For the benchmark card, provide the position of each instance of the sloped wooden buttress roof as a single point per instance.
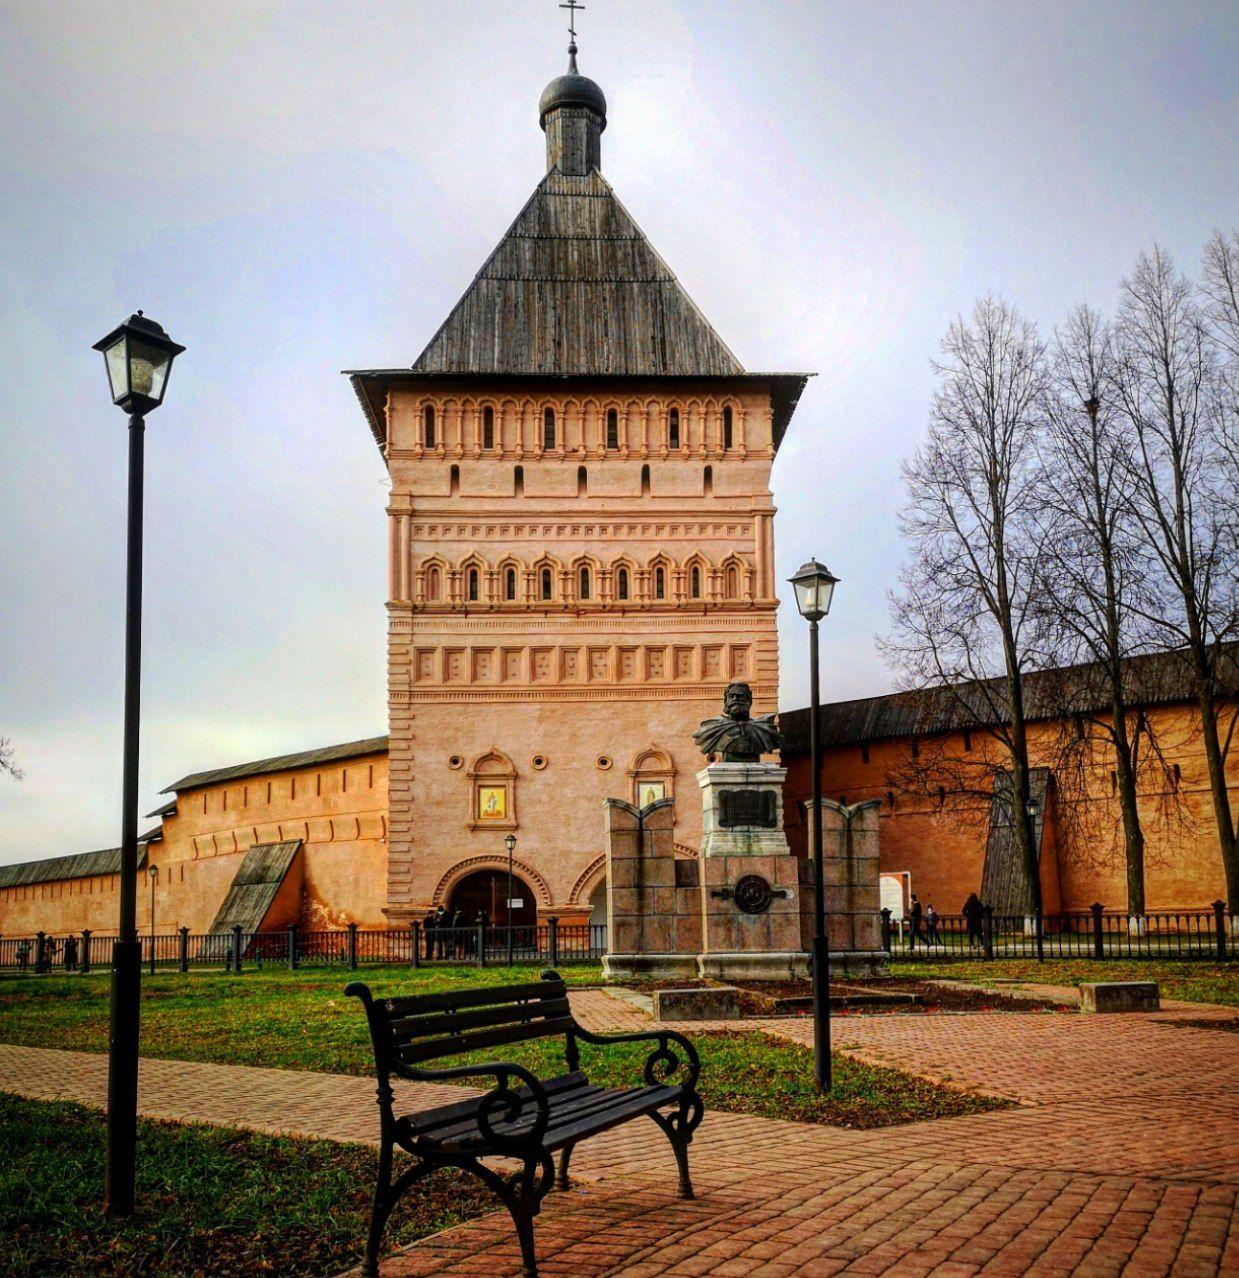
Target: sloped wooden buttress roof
(254, 886)
(575, 289)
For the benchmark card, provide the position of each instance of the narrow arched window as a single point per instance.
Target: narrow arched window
(488, 427)
(453, 480)
(727, 431)
(428, 426)
(621, 584)
(612, 429)
(582, 481)
(732, 587)
(645, 481)
(694, 582)
(546, 583)
(660, 583)
(434, 584)
(673, 428)
(472, 585)
(548, 428)
(518, 480)
(707, 481)
(583, 592)
(509, 585)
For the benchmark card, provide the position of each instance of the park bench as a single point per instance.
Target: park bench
(522, 1118)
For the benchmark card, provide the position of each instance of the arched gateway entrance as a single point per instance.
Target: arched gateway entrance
(487, 890)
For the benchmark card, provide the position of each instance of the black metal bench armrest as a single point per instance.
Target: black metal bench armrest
(662, 1055)
(502, 1103)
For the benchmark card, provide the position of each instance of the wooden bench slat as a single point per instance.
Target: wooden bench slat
(427, 1049)
(441, 1123)
(644, 1101)
(411, 1004)
(405, 1028)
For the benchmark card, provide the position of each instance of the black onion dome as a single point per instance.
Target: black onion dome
(573, 89)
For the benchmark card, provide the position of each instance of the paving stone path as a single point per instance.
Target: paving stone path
(1123, 1160)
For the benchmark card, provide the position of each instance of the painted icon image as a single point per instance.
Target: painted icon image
(492, 803)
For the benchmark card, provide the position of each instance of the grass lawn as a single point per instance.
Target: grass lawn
(301, 1020)
(1191, 981)
(211, 1200)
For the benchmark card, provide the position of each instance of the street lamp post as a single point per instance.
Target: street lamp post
(138, 355)
(153, 874)
(510, 844)
(815, 587)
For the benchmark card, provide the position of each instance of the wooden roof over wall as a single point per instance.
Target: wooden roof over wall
(1158, 678)
(79, 866)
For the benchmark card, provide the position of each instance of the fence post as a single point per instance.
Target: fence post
(1219, 913)
(1099, 937)
(292, 946)
(352, 947)
(886, 928)
(184, 931)
(987, 931)
(40, 951)
(552, 928)
(236, 952)
(84, 964)
(415, 940)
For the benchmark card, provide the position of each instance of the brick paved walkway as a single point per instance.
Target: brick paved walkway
(1125, 1160)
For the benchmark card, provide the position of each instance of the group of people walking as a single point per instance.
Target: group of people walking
(44, 952)
(923, 921)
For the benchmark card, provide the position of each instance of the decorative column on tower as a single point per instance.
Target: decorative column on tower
(749, 889)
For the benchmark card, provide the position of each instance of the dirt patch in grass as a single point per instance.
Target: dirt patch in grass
(211, 1200)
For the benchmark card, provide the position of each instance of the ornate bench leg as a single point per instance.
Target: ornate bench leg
(561, 1178)
(679, 1127)
(378, 1213)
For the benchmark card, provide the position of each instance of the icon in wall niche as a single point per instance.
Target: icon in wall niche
(492, 803)
(649, 791)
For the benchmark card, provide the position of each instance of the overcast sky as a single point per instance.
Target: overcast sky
(293, 189)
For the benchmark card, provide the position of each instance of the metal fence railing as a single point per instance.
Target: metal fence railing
(1096, 933)
(547, 941)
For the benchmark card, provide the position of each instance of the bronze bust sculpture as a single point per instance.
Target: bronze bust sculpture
(734, 734)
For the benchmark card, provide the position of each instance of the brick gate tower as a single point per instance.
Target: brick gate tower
(580, 547)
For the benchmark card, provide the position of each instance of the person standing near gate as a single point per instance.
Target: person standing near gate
(931, 925)
(972, 912)
(915, 914)
(23, 955)
(442, 922)
(428, 930)
(70, 953)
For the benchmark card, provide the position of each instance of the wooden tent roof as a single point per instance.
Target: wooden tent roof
(575, 288)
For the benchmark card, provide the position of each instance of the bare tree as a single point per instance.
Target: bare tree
(1100, 585)
(7, 760)
(1169, 380)
(964, 620)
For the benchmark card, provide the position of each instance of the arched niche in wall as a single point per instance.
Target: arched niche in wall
(492, 792)
(652, 775)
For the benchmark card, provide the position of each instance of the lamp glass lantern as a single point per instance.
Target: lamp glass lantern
(138, 355)
(510, 843)
(815, 586)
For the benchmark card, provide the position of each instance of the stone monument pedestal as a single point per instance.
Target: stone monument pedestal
(853, 895)
(652, 931)
(750, 889)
